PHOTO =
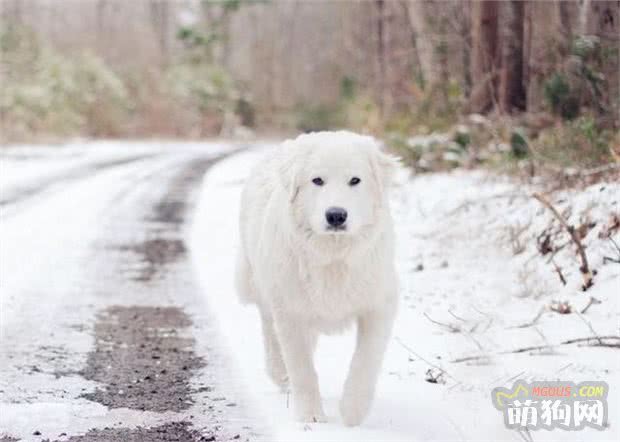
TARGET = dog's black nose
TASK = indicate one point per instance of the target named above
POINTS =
(336, 216)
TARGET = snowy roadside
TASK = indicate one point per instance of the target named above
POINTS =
(471, 277)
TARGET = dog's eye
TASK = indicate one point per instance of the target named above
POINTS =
(318, 181)
(354, 181)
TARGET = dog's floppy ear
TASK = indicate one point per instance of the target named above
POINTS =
(384, 166)
(288, 170)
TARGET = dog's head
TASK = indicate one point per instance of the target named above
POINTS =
(335, 182)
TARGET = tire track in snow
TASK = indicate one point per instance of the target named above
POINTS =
(155, 364)
(174, 431)
(143, 359)
(30, 190)
(145, 356)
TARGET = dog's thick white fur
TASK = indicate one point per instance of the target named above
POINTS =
(308, 276)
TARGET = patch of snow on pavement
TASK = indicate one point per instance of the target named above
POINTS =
(64, 260)
(25, 169)
(464, 293)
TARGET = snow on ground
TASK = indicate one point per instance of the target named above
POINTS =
(25, 168)
(465, 290)
(66, 255)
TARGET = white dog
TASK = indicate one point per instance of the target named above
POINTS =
(317, 255)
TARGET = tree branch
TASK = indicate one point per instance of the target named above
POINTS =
(585, 269)
(594, 341)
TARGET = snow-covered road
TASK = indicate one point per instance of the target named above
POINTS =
(104, 333)
(119, 322)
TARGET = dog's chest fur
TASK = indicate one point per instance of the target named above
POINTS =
(331, 295)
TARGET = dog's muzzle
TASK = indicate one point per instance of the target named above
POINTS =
(336, 218)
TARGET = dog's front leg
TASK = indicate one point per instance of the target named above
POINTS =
(373, 331)
(273, 355)
(297, 347)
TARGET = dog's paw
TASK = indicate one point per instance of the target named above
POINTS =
(354, 407)
(310, 411)
(310, 417)
(281, 382)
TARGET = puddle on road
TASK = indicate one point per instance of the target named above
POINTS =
(174, 431)
(154, 254)
(171, 209)
(168, 214)
(142, 359)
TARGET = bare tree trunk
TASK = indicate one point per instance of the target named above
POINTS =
(485, 59)
(511, 85)
(465, 31)
(381, 59)
(565, 17)
(545, 43)
(444, 74)
(416, 12)
(584, 17)
(602, 19)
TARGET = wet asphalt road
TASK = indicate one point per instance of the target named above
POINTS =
(105, 334)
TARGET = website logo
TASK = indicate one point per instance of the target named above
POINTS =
(550, 405)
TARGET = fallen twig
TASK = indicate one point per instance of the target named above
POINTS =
(471, 330)
(410, 350)
(598, 338)
(480, 311)
(593, 341)
(592, 300)
(475, 341)
(556, 250)
(585, 269)
(590, 327)
(533, 321)
(524, 349)
(564, 368)
(488, 325)
(451, 327)
(456, 317)
(472, 358)
(558, 270)
(486, 315)
(606, 344)
(607, 258)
